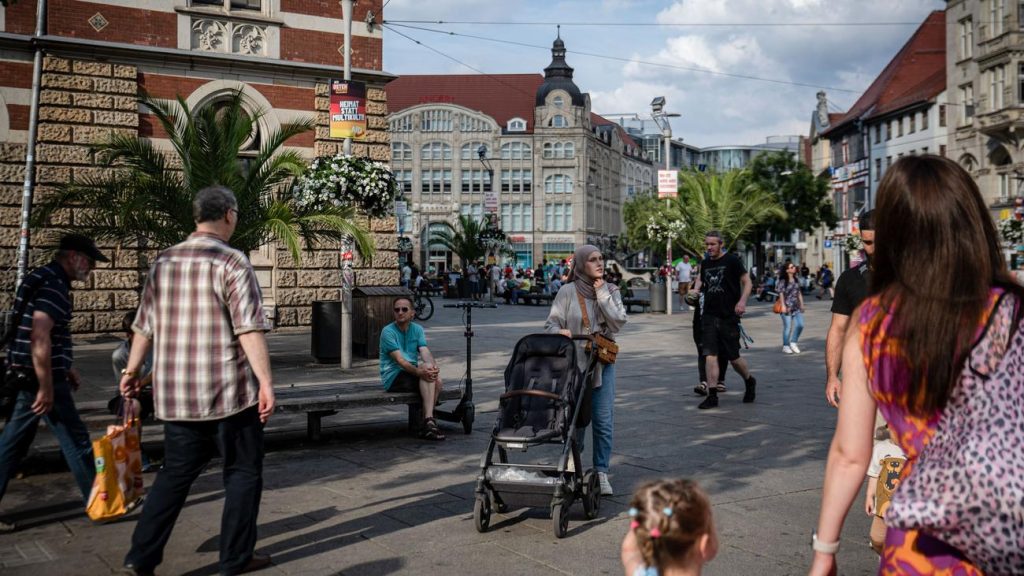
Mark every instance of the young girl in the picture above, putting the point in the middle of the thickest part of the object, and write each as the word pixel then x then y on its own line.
pixel 671 532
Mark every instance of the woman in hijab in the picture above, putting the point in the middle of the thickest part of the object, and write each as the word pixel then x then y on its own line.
pixel 606 315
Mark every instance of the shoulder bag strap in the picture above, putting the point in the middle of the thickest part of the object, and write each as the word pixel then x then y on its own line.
pixel 12 329
pixel 583 310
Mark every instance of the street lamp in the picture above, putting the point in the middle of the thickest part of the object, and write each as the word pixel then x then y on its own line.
pixel 661 118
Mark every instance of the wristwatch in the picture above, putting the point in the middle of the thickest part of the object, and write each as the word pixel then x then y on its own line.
pixel 823 547
pixel 127 372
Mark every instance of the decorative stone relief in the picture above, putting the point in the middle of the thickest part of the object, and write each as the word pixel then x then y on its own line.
pixel 248 39
pixel 98 22
pixel 208 35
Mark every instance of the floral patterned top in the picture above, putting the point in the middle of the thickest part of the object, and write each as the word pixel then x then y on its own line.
pixel 790 294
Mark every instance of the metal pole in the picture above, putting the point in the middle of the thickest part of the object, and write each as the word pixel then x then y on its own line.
pixel 668 204
pixel 30 157
pixel 347 275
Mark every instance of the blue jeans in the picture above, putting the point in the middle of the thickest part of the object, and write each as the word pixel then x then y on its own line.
pixel 65 422
pixel 602 421
pixel 792 323
pixel 188 447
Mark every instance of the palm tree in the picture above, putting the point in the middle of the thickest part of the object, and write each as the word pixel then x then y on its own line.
pixel 730 203
pixel 465 241
pixel 146 195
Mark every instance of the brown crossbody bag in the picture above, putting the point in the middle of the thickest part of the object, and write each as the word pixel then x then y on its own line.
pixel 607 349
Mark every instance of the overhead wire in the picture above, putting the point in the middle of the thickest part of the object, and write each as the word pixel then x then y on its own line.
pixel 627 60
pixel 659 24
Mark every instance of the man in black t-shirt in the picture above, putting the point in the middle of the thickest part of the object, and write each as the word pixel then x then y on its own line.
pixel 851 290
pixel 725 285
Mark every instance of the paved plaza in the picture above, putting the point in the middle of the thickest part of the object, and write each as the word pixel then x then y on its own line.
pixel 368 499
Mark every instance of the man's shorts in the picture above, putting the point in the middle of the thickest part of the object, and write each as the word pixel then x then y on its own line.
pixel 720 336
pixel 404 382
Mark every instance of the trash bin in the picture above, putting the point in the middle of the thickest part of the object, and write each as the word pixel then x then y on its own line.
pixel 371 312
pixel 657 293
pixel 326 331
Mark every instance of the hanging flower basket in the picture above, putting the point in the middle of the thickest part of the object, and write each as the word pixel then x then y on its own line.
pixel 348 181
pixel 1012 231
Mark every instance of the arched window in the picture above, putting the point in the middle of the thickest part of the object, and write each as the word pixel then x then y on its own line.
pixel 549 150
pixel 558 184
pixel 516 125
pixel 436 151
pixel 558 101
pixel 968 162
pixel 471 150
pixel 401 152
pixel 570 150
pixel 402 124
pixel 515 151
pixel 559 121
pixel 559 150
pixel 436 121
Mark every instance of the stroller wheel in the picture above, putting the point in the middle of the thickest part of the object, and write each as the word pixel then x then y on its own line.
pixel 591 495
pixel 560 519
pixel 467 419
pixel 482 512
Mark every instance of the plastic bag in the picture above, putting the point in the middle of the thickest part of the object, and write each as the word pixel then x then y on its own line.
pixel 118 487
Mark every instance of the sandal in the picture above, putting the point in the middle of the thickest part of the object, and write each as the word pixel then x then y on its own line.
pixel 431 431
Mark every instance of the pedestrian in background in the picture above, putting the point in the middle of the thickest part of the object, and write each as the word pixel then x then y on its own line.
pixel 202 312
pixel 39 361
pixel 792 309
pixel 911 342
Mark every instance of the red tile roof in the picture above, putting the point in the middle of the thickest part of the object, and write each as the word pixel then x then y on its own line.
pixel 916 74
pixel 500 96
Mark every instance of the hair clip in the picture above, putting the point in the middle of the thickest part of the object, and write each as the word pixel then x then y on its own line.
pixel 634 525
pixel 667 511
pixel 655 533
pixel 633 511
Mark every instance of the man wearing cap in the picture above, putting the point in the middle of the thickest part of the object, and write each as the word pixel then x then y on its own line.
pixel 202 313
pixel 39 358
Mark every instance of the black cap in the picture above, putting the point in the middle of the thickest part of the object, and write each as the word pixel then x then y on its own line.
pixel 82 244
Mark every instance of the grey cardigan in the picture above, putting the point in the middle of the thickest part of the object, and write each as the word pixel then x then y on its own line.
pixel 607 316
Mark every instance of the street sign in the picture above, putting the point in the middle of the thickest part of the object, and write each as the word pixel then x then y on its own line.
pixel 828 243
pixel 668 183
pixel 491 201
pixel 801 245
pixel 400 208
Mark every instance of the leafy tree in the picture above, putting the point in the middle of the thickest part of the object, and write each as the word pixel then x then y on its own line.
pixel 804 196
pixel 146 195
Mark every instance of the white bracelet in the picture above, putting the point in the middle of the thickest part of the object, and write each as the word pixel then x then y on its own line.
pixel 823 547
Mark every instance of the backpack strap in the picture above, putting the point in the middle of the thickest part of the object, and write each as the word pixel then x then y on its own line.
pixel 12 329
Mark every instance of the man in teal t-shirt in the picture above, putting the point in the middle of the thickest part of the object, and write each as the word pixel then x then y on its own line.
pixel 402 344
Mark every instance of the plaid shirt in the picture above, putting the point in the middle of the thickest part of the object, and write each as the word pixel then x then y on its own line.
pixel 200 295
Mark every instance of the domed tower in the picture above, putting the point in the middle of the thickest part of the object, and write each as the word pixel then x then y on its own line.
pixel 558 76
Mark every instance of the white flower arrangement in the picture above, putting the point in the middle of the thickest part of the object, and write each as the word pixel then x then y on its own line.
pixel 341 180
pixel 1012 231
pixel 660 232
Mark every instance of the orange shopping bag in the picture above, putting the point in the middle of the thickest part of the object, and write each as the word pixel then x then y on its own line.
pixel 117 488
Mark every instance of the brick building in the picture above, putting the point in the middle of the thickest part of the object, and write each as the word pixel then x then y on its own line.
pixel 101 54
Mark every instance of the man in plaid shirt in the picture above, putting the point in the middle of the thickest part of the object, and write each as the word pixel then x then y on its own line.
pixel 202 313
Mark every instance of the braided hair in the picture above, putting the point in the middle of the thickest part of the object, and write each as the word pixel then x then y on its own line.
pixel 669 518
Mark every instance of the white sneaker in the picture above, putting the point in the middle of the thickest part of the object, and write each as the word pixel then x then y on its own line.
pixel 606 486
pixel 794 348
pixel 787 349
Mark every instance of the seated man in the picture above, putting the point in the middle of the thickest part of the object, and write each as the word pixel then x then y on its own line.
pixel 402 344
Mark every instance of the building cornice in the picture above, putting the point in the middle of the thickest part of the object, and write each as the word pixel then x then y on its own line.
pixel 136 54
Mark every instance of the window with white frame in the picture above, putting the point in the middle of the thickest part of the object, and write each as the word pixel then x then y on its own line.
pixel 476 181
pixel 924 118
pixel 401 152
pixel 559 150
pixel 401 124
pixel 1004 186
pixel 966 103
pixel 559 121
pixel 435 181
pixel 471 151
pixel 469 123
pixel 436 151
pixel 404 179
pixel 996 14
pixel 516 125
pixel 517 217
pixel 436 121
pixel 965 34
pixel 558 217
pixel 913 122
pixel 516 180
pixel 558 184
pixel 474 211
pixel 515 151
pixel 228 5
pixel 996 87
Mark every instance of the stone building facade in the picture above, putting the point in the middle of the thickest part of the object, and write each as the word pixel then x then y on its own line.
pixel 101 55
pixel 561 172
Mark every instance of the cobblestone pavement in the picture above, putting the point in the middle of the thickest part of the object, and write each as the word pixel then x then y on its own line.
pixel 368 499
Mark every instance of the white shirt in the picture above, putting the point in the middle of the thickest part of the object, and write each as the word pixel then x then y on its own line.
pixel 883 449
pixel 684 271
pixel 496 273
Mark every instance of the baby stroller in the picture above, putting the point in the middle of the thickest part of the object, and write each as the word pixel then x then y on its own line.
pixel 546 400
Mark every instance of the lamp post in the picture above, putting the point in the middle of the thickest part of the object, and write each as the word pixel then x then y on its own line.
pixel 661 118
pixel 347 274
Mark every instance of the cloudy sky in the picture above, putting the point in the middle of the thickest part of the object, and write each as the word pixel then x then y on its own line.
pixel 693 52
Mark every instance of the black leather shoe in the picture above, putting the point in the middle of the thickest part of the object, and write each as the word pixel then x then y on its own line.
pixel 710 402
pixel 257 562
pixel 751 390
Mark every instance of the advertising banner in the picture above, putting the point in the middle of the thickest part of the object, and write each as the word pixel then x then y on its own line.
pixel 348 109
pixel 668 183
pixel 491 201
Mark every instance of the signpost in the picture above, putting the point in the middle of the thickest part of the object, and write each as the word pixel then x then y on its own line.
pixel 668 183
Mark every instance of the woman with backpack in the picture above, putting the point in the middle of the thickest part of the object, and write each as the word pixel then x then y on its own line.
pixel 924 342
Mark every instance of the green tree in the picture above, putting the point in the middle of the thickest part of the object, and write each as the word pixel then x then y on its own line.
pixel 804 196
pixel 146 194
pixel 464 240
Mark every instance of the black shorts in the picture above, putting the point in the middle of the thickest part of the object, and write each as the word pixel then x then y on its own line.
pixel 405 382
pixel 720 336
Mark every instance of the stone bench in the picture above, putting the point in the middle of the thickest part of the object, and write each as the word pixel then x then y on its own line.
pixel 328 399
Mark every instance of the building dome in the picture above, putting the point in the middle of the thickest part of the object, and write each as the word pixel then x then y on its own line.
pixel 558 76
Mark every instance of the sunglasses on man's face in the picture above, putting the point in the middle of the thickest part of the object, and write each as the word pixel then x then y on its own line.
pixel 401 310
